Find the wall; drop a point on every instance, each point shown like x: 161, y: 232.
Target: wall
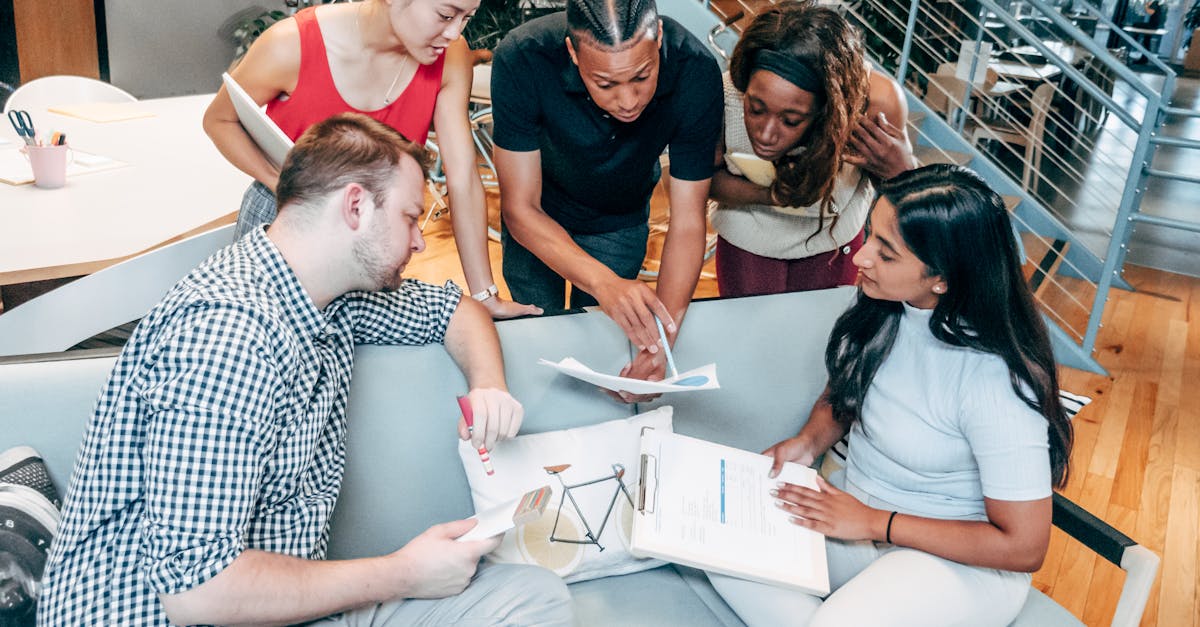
x: 171, y: 47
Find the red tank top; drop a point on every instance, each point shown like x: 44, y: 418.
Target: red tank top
x: 316, y: 97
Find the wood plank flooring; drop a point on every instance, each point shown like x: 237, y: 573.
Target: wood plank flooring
x: 1136, y: 462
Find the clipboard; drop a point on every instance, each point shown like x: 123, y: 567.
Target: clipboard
x: 274, y: 143
x: 707, y: 505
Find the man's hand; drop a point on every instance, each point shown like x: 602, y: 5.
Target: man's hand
x: 501, y: 309
x: 646, y: 366
x: 434, y: 566
x: 879, y: 147
x: 497, y: 416
x: 633, y: 305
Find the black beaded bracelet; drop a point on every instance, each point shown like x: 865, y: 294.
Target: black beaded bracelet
x: 887, y: 536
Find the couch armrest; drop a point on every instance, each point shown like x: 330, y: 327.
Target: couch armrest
x: 1139, y: 563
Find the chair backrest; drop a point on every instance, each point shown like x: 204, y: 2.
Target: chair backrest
x: 947, y: 91
x: 61, y: 90
x: 1043, y: 96
x: 68, y: 315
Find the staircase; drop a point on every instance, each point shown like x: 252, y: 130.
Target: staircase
x: 1072, y: 160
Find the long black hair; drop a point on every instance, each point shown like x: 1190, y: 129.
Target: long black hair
x: 959, y: 228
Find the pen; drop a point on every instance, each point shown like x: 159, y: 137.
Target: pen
x: 465, y: 405
x: 666, y: 347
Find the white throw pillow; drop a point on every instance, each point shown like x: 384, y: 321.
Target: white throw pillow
x: 603, y: 456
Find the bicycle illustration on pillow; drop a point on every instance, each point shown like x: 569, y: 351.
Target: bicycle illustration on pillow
x: 557, y: 541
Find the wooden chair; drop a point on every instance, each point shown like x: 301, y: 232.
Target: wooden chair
x: 946, y: 91
x: 70, y: 314
x: 1033, y: 138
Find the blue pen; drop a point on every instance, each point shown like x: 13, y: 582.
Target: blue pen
x: 666, y: 347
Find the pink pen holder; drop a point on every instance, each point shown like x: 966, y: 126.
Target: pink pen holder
x: 49, y: 165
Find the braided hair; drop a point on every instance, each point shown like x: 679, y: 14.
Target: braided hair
x: 612, y: 24
x: 824, y: 41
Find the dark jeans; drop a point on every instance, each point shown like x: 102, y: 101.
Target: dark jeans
x: 532, y: 282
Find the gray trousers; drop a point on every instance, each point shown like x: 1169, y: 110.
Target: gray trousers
x: 258, y: 209
x: 500, y: 594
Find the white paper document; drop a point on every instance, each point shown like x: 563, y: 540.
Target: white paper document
x: 709, y: 506
x: 573, y: 368
x: 15, y: 168
x: 519, y: 511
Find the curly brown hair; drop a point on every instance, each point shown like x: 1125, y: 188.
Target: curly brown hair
x: 824, y: 41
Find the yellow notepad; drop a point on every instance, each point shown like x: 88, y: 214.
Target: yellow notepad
x: 759, y: 171
x: 103, y: 111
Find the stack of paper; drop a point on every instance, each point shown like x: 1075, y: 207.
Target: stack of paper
x: 704, y: 377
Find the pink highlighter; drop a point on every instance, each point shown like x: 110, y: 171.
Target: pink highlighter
x: 469, y: 417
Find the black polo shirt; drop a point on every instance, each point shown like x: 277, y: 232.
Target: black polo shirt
x: 597, y: 172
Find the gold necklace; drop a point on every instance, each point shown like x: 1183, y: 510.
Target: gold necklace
x: 387, y: 95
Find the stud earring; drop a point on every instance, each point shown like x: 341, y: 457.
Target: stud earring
x: 939, y: 289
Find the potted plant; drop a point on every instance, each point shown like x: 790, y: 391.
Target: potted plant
x: 245, y: 27
x: 494, y: 18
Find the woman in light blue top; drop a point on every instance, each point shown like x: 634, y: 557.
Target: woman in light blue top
x: 942, y: 373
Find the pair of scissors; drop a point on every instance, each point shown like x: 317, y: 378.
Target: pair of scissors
x: 23, y: 124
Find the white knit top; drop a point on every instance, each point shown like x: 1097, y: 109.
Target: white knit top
x: 942, y: 428
x: 784, y: 233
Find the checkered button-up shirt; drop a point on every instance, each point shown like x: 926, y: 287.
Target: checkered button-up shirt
x: 221, y: 428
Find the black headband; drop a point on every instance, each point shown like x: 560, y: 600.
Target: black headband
x: 790, y: 69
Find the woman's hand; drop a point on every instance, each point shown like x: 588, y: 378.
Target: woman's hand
x: 501, y: 309
x: 798, y: 449
x: 831, y: 512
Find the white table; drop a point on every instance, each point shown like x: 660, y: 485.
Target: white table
x: 175, y: 184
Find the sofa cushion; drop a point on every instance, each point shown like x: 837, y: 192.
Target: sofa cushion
x: 603, y: 453
x: 403, y: 473
x: 769, y: 352
x: 46, y: 403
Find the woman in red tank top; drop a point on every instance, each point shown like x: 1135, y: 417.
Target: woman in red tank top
x: 401, y: 62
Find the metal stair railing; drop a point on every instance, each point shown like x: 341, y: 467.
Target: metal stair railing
x: 1114, y: 125
x: 1128, y: 145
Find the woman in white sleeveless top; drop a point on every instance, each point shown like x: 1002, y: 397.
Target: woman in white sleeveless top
x: 811, y: 124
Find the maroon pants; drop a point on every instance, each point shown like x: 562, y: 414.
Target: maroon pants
x: 742, y: 273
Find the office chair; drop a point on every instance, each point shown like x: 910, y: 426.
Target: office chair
x: 49, y: 91
x: 68, y: 315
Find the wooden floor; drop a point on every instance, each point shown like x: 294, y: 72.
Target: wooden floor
x: 1136, y: 462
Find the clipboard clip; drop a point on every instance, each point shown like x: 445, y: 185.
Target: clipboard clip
x: 647, y: 481
x: 648, y: 484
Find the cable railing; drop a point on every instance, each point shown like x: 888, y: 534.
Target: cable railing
x: 1093, y: 133
x: 1000, y: 114
x: 1092, y: 147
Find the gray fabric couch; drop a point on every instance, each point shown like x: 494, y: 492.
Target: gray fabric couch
x: 403, y: 470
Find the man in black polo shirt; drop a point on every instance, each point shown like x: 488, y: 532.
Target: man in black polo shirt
x: 584, y: 103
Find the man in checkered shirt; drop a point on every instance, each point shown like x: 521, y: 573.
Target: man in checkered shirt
x: 216, y: 451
